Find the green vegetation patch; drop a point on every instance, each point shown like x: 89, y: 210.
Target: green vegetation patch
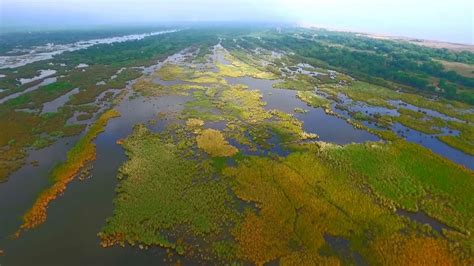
x: 171, y: 202
x: 238, y: 68
x: 429, y: 125
x: 413, y: 178
x: 170, y: 72
x: 36, y: 98
x: 371, y: 94
x: 299, y: 200
x: 213, y: 143
x: 312, y: 99
x: 294, y: 84
x: 464, y: 141
x: 458, y: 142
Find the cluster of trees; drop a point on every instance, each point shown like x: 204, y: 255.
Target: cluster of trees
x: 379, y: 61
x: 361, y: 42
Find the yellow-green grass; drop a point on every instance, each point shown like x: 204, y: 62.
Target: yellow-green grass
x: 412, y: 177
x: 170, y: 72
x: 464, y: 141
x: 213, y: 143
x: 379, y: 96
x: 458, y: 142
x: 429, y: 125
x: 238, y: 68
x: 312, y: 99
x: 294, y: 84
x: 165, y: 199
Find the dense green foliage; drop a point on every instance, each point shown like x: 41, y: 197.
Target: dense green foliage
x: 376, y: 61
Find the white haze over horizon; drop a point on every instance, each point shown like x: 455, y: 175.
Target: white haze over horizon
x: 451, y: 21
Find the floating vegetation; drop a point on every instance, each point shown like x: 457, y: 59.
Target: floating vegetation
x: 380, y: 96
x: 312, y: 99
x: 300, y: 110
x: 22, y: 130
x: 213, y: 143
x: 194, y: 124
x: 288, y: 127
x: 370, y: 94
x: 245, y: 103
x: 82, y: 153
x: 83, y: 117
x: 299, y: 199
x: 233, y: 179
x: 206, y: 78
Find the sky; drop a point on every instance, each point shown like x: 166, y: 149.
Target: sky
x: 451, y: 20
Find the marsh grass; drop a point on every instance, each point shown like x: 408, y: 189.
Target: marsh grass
x: 213, y: 143
x: 82, y: 153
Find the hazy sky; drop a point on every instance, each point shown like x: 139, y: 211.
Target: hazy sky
x: 451, y: 20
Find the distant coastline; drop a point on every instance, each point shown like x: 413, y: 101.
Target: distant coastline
x: 429, y: 43
x: 454, y: 46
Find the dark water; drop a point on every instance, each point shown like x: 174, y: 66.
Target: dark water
x: 328, y: 127
x: 411, y: 135
x: 433, y: 113
x: 435, y: 145
x: 22, y: 187
x: 341, y: 247
x: 423, y: 218
x: 68, y: 237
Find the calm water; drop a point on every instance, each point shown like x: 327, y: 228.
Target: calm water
x: 42, y: 74
x: 68, y: 237
x: 328, y: 127
x: 437, y: 146
x: 427, y: 141
x: 54, y: 105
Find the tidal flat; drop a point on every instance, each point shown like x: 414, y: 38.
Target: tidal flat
x: 218, y: 154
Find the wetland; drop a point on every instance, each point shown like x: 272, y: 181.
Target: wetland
x: 229, y: 146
